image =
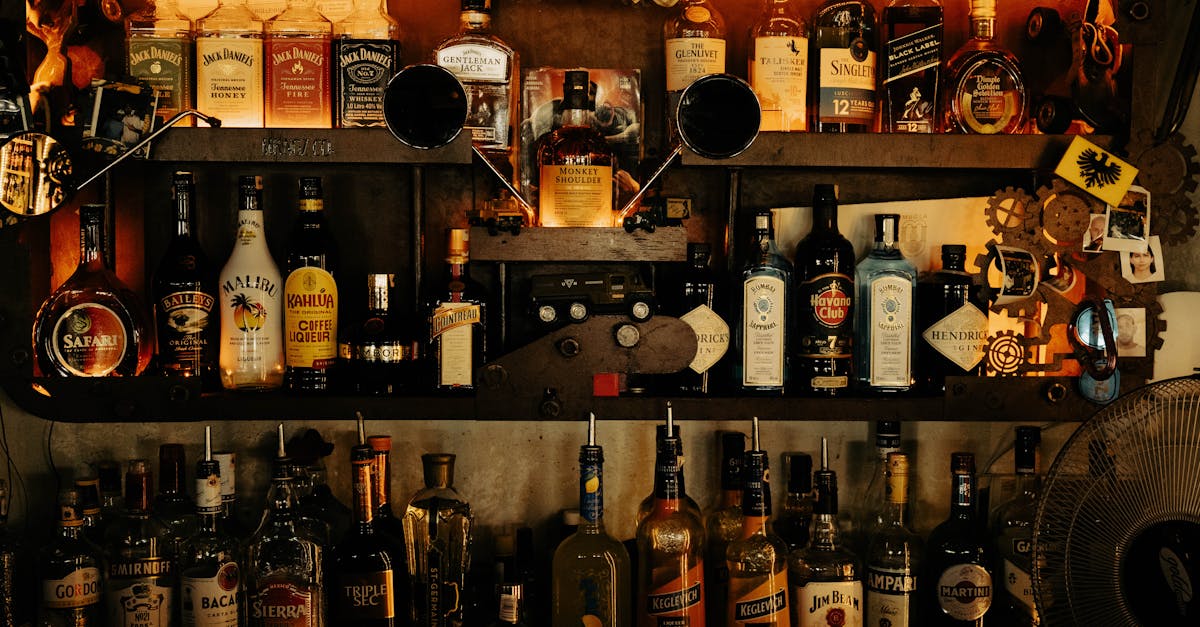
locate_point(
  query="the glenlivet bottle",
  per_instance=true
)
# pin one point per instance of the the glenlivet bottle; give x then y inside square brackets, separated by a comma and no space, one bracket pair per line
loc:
[694,42]
[310,296]
[762,332]
[824,302]
[957,581]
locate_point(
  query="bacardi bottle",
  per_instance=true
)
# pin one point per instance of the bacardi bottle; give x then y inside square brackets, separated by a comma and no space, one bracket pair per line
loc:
[211,560]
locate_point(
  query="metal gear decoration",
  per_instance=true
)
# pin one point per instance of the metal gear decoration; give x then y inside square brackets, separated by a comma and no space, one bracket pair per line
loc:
[1007,354]
[1066,212]
[1010,209]
[1164,168]
[1175,219]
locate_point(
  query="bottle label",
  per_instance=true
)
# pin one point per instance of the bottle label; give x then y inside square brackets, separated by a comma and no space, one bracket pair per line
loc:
[364,596]
[297,82]
[249,325]
[829,604]
[281,604]
[1019,586]
[712,337]
[364,67]
[81,588]
[889,597]
[764,604]
[486,73]
[310,296]
[826,327]
[140,593]
[208,495]
[267,9]
[911,80]
[689,58]
[591,499]
[335,10]
[914,52]
[598,595]
[183,326]
[475,62]
[890,338]
[961,337]
[779,76]
[164,64]
[989,96]
[847,78]
[679,602]
[229,80]
[764,301]
[452,332]
[964,591]
[211,601]
[89,340]
[576,195]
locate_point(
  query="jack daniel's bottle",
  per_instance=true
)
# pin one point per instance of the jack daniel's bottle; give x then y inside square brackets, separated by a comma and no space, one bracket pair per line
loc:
[456,321]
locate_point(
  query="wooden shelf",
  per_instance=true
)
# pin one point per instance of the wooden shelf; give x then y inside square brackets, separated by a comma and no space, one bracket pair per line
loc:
[580,244]
[300,146]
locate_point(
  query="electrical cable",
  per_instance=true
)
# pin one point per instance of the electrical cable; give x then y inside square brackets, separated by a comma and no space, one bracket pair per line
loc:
[12,469]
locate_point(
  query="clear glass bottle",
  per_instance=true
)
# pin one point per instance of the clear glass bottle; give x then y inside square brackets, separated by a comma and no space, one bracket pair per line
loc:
[911,65]
[793,522]
[884,321]
[956,582]
[762,332]
[1012,528]
[251,301]
[873,502]
[953,320]
[141,581]
[111,499]
[894,556]
[366,54]
[92,325]
[985,90]
[778,62]
[69,570]
[723,525]
[323,507]
[172,505]
[512,606]
[576,164]
[296,75]
[698,306]
[844,46]
[229,65]
[437,539]
[694,42]
[824,301]
[591,570]
[158,40]
[310,296]
[378,355]
[230,520]
[457,321]
[689,503]
[16,603]
[360,567]
[211,560]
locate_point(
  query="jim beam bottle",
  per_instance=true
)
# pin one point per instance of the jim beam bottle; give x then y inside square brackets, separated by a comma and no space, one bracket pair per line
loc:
[310,296]
[957,580]
[456,321]
[824,271]
[141,583]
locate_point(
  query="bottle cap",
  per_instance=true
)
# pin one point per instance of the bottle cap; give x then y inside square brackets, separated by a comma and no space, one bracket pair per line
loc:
[458,246]
[91,214]
[182,183]
[438,469]
[69,508]
[89,494]
[576,88]
[983,8]
[380,443]
[733,447]
[887,228]
[887,434]
[962,463]
[1025,450]
[799,473]
[897,464]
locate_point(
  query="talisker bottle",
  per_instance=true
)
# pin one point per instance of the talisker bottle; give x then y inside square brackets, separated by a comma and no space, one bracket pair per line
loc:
[824,302]
[957,579]
[310,297]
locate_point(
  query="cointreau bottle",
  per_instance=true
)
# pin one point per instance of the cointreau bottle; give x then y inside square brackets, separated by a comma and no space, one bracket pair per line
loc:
[456,322]
[575,164]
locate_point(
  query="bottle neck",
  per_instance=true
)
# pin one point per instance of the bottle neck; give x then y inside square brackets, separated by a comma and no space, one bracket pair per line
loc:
[137,493]
[576,117]
[962,497]
[183,216]
[380,481]
[71,530]
[824,534]
[91,239]
[364,506]
[1028,483]
[479,22]
[668,476]
[983,28]
[825,218]
[591,495]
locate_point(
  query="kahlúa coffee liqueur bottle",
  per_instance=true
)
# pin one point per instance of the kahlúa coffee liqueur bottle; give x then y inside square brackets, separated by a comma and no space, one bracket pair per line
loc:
[694,37]
[92,325]
[984,86]
[779,67]
[457,321]
[575,164]
[296,55]
[366,54]
[158,39]
[229,65]
[310,296]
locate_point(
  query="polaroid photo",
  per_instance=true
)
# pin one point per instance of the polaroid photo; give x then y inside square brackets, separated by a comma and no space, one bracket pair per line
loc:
[1019,273]
[1131,332]
[1128,224]
[1143,266]
[1093,238]
[121,115]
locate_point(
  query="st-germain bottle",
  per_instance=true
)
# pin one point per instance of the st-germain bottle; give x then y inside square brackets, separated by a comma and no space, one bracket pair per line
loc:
[762,333]
[591,569]
[824,300]
[457,319]
[576,164]
[985,90]
[251,301]
[911,65]
[793,522]
[211,560]
[957,580]
[1012,528]
[894,556]
[92,325]
[437,532]
[884,322]
[698,307]
[69,572]
[229,65]
[185,295]
[366,54]
[723,525]
[844,45]
[159,52]
[779,67]
[694,37]
[360,579]
[310,296]
[953,322]
[296,76]
[141,584]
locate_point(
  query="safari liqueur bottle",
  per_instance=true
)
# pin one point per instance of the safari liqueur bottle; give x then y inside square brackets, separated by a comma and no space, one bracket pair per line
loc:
[69,571]
[361,582]
[140,585]
[844,45]
[229,65]
[952,321]
[779,66]
[824,300]
[437,533]
[456,321]
[957,584]
[911,65]
[296,53]
[211,560]
[985,89]
[575,164]
[763,329]
[366,54]
[158,38]
[92,325]
[694,38]
[310,296]
[757,560]
[884,318]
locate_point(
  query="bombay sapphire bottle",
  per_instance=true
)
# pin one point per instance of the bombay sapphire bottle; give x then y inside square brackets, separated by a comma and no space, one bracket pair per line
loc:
[884,325]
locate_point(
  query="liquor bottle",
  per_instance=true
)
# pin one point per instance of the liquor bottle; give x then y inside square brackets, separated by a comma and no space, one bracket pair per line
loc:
[111,500]
[793,522]
[824,575]
[92,325]
[984,87]
[1012,528]
[873,500]
[757,560]
[697,307]
[267,9]
[457,321]
[296,50]
[894,556]
[689,504]
[953,321]
[511,606]
[844,44]
[210,561]
[361,582]
[576,164]
[172,505]
[89,506]
[377,355]
[141,581]
[366,54]
[185,294]
[388,528]
[825,296]
[591,571]
[229,65]
[251,301]
[16,587]
[723,525]
[778,62]
[230,520]
[323,508]
[957,577]
[437,534]
[310,296]
[694,37]
[911,65]
[489,70]
[69,571]
[285,568]
[884,322]
[762,335]
[158,38]
[670,545]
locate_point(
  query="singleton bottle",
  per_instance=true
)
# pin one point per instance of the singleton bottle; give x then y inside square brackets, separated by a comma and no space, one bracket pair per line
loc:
[251,301]
[873,502]
[366,54]
[793,522]
[723,525]
[670,543]
[490,74]
[297,48]
[457,334]
[824,576]
[92,325]
[894,556]
[437,535]
[591,568]
[824,293]
[185,295]
[229,65]
[1012,527]
[647,504]
[779,67]
[984,84]
[953,320]
[911,64]
[884,321]
[360,567]
[310,296]
[141,581]
[844,46]
[697,307]
[763,332]
[576,164]
[956,581]
[377,355]
[69,572]
[158,39]
[210,561]
[694,37]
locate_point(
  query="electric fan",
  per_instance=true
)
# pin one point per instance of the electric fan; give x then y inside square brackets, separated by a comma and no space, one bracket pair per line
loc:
[1117,535]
